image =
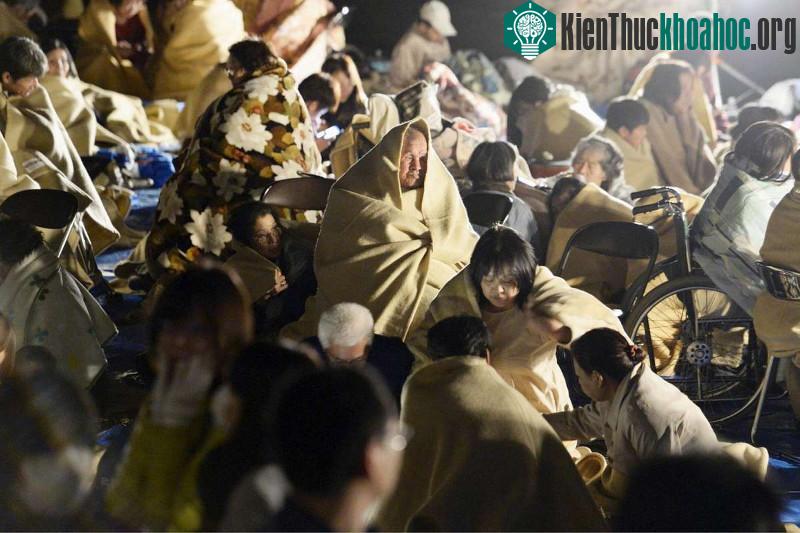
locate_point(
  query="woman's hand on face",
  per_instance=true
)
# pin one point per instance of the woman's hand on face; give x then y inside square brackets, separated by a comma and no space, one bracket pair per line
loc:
[181,389]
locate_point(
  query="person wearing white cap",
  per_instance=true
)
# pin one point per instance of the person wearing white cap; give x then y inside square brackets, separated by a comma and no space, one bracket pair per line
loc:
[425,42]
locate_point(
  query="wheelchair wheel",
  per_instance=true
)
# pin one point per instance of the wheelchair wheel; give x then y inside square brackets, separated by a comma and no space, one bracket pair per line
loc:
[698,339]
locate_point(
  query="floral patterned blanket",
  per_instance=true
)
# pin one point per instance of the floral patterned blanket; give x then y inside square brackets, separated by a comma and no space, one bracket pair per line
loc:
[255,134]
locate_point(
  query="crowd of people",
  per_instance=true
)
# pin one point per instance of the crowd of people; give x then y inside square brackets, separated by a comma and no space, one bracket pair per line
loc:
[396,359]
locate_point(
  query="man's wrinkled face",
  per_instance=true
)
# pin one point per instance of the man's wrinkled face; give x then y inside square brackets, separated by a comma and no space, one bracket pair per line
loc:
[21,86]
[413,160]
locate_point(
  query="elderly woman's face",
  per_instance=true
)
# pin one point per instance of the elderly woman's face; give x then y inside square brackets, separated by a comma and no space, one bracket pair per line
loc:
[413,160]
[58,62]
[589,164]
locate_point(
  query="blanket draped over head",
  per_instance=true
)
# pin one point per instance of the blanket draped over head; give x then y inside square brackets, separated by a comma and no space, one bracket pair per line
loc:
[481,459]
[32,125]
[191,40]
[530,367]
[602,276]
[250,137]
[98,60]
[47,307]
[777,321]
[682,155]
[378,252]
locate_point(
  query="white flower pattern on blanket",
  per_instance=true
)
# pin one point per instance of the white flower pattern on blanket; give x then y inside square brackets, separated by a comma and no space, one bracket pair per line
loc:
[246,131]
[208,231]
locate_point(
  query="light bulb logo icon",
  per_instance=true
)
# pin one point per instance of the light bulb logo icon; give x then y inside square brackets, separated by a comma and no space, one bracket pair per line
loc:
[533,29]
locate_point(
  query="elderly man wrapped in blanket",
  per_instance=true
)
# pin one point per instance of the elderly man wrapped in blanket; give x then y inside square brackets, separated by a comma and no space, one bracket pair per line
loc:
[528,311]
[454,141]
[256,133]
[394,233]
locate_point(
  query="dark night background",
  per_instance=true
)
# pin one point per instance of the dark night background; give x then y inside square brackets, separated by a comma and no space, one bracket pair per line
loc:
[378,24]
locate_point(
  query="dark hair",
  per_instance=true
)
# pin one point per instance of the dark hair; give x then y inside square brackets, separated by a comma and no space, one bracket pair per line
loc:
[626,113]
[324,422]
[674,493]
[357,102]
[664,86]
[458,335]
[564,191]
[51,43]
[796,165]
[218,297]
[613,161]
[255,375]
[253,54]
[502,250]
[21,57]
[532,90]
[43,412]
[767,146]
[242,220]
[320,88]
[750,114]
[18,240]
[492,162]
[607,352]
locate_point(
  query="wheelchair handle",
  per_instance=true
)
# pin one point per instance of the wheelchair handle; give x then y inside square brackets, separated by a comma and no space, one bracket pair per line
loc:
[665,193]
[648,208]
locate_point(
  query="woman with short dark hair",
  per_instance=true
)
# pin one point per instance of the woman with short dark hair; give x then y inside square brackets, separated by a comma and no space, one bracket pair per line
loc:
[528,312]
[491,169]
[636,412]
[731,226]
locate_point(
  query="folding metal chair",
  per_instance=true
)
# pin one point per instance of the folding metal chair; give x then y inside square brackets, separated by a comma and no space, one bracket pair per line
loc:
[308,193]
[45,208]
[486,208]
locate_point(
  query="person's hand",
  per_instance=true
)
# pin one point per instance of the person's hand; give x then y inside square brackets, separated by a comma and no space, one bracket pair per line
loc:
[181,389]
[463,124]
[280,285]
[125,49]
[226,408]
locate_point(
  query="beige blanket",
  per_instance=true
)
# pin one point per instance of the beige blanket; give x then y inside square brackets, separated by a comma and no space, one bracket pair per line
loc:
[98,60]
[530,368]
[33,125]
[375,251]
[777,321]
[77,116]
[482,459]
[683,157]
[191,40]
[602,276]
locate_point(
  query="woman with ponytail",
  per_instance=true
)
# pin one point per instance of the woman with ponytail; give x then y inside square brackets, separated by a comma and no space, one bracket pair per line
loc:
[637,413]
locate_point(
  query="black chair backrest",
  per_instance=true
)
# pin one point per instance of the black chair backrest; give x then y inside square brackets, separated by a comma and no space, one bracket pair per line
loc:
[307,193]
[485,208]
[46,208]
[627,240]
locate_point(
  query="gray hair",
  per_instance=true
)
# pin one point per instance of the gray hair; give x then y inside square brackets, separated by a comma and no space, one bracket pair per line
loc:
[345,324]
[612,157]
